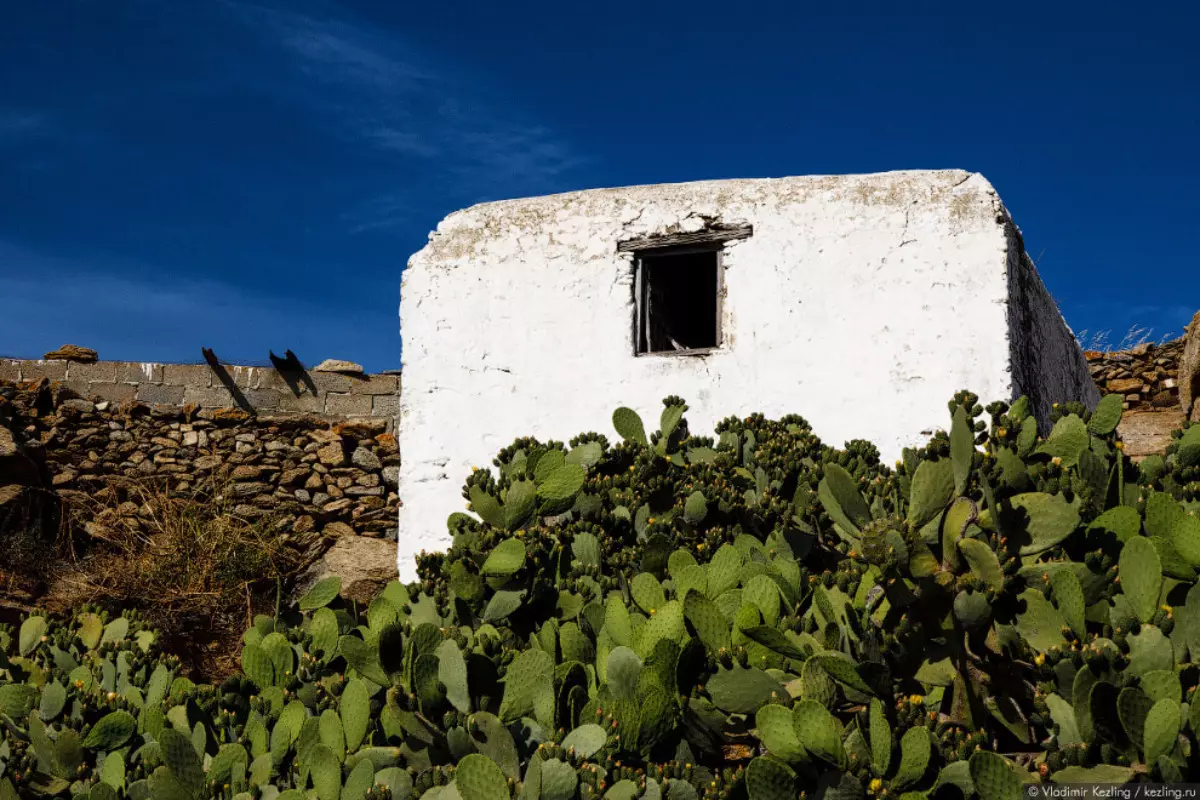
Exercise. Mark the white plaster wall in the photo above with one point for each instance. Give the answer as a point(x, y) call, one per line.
point(860, 302)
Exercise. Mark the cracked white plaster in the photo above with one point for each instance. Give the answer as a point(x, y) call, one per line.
point(860, 302)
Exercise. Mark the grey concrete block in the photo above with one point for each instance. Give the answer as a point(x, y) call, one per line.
point(246, 377)
point(376, 384)
point(193, 375)
point(331, 382)
point(137, 372)
point(116, 372)
point(101, 371)
point(306, 403)
point(151, 394)
point(348, 405)
point(385, 406)
point(297, 385)
point(113, 392)
point(36, 370)
point(265, 399)
point(81, 388)
point(217, 397)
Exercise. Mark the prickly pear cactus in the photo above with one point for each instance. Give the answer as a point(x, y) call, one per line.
point(749, 615)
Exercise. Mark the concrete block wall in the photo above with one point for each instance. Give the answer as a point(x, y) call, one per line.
point(262, 390)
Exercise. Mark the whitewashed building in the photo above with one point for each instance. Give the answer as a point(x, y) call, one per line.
point(861, 302)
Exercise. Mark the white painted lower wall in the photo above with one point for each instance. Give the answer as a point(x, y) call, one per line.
point(861, 303)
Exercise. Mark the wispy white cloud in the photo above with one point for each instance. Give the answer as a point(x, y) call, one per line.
point(381, 212)
point(438, 120)
point(409, 142)
point(338, 51)
point(18, 125)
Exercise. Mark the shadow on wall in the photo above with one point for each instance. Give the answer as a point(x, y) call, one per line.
point(289, 368)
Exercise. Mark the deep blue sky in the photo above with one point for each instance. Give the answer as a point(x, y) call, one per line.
point(252, 176)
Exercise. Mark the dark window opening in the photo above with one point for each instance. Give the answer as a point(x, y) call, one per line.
point(677, 300)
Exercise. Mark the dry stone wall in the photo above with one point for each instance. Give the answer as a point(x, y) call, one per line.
point(1155, 380)
point(319, 478)
point(1147, 376)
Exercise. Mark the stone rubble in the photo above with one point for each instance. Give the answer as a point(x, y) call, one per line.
point(1147, 375)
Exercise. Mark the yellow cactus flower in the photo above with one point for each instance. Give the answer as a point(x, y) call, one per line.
point(1039, 659)
point(876, 785)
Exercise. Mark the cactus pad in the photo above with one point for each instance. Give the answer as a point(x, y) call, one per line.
point(479, 778)
point(770, 780)
point(322, 593)
point(505, 559)
point(1141, 576)
point(629, 425)
point(881, 738)
point(111, 731)
point(995, 777)
point(777, 730)
point(1161, 730)
point(818, 732)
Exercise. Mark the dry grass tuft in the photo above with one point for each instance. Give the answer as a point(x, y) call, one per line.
point(194, 567)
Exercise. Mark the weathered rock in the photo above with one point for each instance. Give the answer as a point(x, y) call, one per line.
point(291, 477)
point(1189, 371)
point(335, 365)
point(338, 529)
point(1123, 385)
point(79, 406)
point(10, 493)
point(361, 428)
point(246, 472)
point(73, 352)
point(8, 444)
point(332, 455)
point(391, 476)
point(364, 564)
point(365, 459)
point(1148, 432)
point(335, 506)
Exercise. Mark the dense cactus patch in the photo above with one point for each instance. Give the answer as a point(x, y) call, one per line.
point(752, 615)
